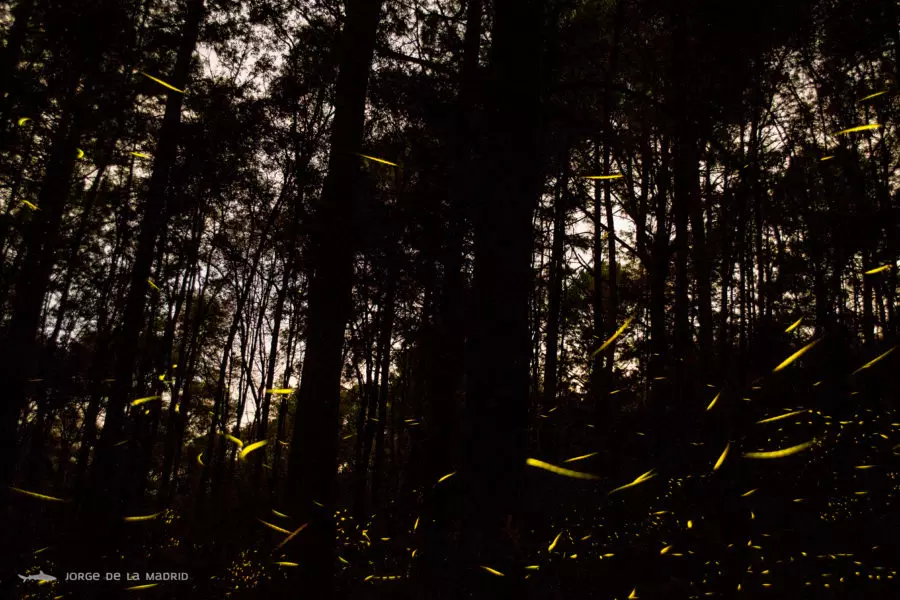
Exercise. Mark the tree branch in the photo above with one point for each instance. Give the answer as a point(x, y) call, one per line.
point(386, 52)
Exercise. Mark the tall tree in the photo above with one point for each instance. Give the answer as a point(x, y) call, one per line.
point(314, 447)
point(497, 386)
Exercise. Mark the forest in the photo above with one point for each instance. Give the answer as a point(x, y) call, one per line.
point(445, 299)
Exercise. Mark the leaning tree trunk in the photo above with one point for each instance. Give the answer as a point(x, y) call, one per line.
point(314, 447)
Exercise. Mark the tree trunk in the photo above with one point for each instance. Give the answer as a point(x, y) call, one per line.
point(314, 447)
point(596, 386)
point(659, 273)
point(557, 257)
point(445, 358)
point(270, 369)
point(701, 260)
point(384, 352)
point(681, 209)
point(611, 77)
point(498, 350)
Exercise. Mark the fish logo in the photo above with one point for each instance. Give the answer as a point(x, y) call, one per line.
point(39, 577)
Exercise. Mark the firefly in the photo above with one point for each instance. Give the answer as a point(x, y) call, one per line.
point(379, 160)
point(532, 462)
point(140, 401)
point(254, 446)
point(722, 458)
point(162, 83)
point(794, 325)
point(598, 177)
point(878, 270)
point(142, 517)
point(36, 495)
point(568, 460)
point(870, 96)
point(874, 360)
point(779, 453)
point(612, 338)
point(858, 128)
point(796, 355)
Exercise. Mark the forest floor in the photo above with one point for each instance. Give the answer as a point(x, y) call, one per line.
point(818, 521)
